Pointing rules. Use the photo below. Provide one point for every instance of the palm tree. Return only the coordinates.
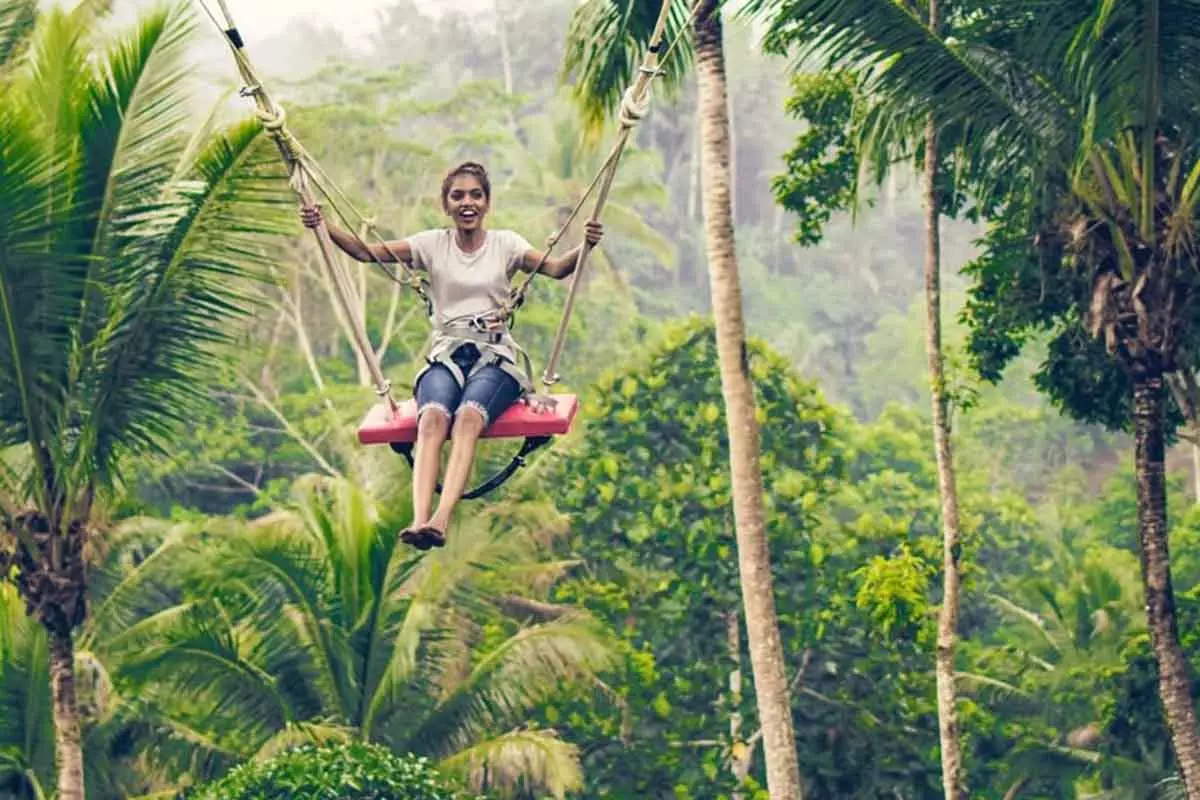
(313, 624)
(1077, 122)
(601, 32)
(129, 747)
(121, 257)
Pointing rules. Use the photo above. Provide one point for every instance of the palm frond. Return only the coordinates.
(510, 679)
(91, 11)
(424, 648)
(634, 228)
(606, 42)
(17, 18)
(206, 666)
(177, 285)
(296, 734)
(137, 574)
(26, 727)
(129, 136)
(55, 80)
(39, 283)
(903, 67)
(290, 605)
(523, 760)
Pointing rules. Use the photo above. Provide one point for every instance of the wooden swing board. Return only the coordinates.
(381, 426)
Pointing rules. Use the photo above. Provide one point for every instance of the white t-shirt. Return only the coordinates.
(463, 285)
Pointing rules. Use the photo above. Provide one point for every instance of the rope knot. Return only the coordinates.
(633, 108)
(272, 120)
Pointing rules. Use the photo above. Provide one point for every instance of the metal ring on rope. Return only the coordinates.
(531, 444)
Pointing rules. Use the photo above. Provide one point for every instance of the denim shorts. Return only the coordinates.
(490, 391)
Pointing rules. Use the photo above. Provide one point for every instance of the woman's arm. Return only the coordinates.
(563, 266)
(355, 247)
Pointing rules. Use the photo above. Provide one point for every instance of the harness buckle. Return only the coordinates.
(490, 327)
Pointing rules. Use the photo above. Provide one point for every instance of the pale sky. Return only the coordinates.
(263, 18)
(266, 17)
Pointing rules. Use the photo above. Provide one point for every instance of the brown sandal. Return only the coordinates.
(414, 537)
(431, 537)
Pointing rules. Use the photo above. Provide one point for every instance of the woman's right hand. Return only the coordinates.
(311, 216)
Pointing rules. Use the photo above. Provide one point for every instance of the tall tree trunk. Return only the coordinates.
(1174, 683)
(741, 752)
(952, 774)
(754, 559)
(1196, 473)
(505, 55)
(68, 741)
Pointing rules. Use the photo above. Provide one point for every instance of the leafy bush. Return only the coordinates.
(354, 771)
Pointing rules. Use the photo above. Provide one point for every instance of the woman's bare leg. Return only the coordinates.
(432, 431)
(468, 425)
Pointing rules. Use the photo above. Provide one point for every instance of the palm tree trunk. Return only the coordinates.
(742, 754)
(754, 560)
(1174, 682)
(68, 742)
(1196, 472)
(952, 775)
(505, 55)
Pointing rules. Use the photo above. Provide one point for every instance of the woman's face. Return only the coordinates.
(466, 203)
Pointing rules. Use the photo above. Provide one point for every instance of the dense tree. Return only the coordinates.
(1085, 169)
(315, 624)
(122, 262)
(602, 62)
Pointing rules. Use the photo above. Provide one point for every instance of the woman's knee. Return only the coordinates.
(471, 418)
(489, 393)
(433, 422)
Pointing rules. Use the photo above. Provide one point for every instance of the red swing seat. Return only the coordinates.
(381, 426)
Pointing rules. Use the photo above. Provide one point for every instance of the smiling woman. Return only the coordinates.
(471, 380)
(471, 377)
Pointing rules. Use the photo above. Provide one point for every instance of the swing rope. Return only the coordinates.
(304, 172)
(635, 103)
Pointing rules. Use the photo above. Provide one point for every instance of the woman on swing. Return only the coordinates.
(472, 376)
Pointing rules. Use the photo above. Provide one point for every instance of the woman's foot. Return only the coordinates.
(424, 536)
(414, 536)
(432, 535)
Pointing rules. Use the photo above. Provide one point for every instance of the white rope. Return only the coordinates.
(635, 104)
(633, 108)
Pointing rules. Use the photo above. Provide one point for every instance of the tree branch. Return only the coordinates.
(524, 606)
(290, 429)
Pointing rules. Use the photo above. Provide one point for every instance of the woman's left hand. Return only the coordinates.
(594, 232)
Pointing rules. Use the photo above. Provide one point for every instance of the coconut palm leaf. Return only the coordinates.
(606, 42)
(248, 661)
(517, 760)
(179, 281)
(508, 681)
(17, 18)
(26, 727)
(128, 135)
(993, 100)
(135, 575)
(38, 282)
(286, 582)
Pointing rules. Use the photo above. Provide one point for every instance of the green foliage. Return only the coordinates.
(354, 771)
(314, 622)
(1023, 291)
(648, 494)
(16, 23)
(605, 44)
(129, 251)
(822, 164)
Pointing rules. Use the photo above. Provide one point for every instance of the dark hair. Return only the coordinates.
(473, 169)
